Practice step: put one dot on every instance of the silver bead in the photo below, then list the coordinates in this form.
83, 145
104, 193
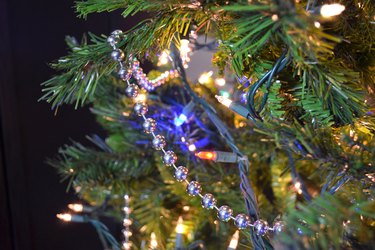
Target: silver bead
132, 90
116, 33
181, 173
261, 227
135, 64
118, 55
208, 201
124, 74
169, 158
194, 188
241, 221
224, 213
112, 40
159, 142
278, 227
149, 125
140, 108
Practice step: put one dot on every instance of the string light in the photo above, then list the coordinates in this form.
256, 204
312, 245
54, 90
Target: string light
141, 98
235, 107
220, 82
79, 208
76, 207
205, 77
126, 244
218, 156
192, 147
180, 231
153, 242
297, 186
180, 228
206, 155
70, 217
330, 10
164, 58
185, 50
182, 118
234, 241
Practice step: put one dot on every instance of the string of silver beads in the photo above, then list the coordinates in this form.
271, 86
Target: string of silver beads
193, 188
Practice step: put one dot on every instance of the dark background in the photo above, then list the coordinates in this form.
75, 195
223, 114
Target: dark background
32, 35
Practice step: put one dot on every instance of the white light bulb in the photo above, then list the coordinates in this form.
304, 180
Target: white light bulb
220, 82
329, 10
225, 101
153, 243
64, 217
234, 241
76, 207
180, 228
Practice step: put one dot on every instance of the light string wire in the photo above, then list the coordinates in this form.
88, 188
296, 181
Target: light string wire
242, 221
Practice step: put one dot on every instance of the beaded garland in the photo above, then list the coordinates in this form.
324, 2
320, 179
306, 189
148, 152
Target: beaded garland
224, 212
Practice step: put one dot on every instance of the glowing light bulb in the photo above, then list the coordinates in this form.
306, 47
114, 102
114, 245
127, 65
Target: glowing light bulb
205, 77
64, 217
192, 148
234, 241
76, 207
186, 208
153, 242
141, 98
220, 82
329, 10
297, 186
127, 222
127, 245
206, 155
163, 58
178, 121
126, 197
184, 52
180, 228
225, 101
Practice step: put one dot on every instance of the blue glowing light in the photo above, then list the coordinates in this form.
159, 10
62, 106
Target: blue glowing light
178, 121
224, 94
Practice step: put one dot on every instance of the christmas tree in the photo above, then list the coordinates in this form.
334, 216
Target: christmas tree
273, 149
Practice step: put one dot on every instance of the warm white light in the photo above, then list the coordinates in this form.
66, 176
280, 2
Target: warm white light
317, 24
126, 210
192, 148
225, 101
76, 207
329, 10
126, 197
220, 82
127, 222
184, 52
180, 228
126, 245
127, 233
163, 58
64, 217
186, 208
297, 186
153, 243
234, 241
141, 98
184, 48
205, 77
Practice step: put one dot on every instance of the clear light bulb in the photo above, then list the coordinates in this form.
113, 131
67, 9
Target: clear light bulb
329, 10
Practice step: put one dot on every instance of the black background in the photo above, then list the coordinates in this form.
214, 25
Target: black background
32, 35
